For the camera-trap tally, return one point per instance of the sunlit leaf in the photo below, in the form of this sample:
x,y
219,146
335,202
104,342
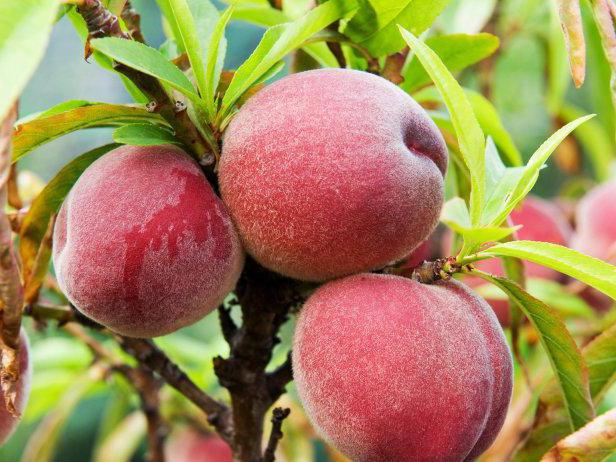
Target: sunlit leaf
x,y
564,355
457,51
469,134
530,174
147,60
375,24
29,136
143,135
276,43
592,271
25,27
592,443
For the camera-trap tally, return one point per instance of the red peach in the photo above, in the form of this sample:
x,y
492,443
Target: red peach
x,y
332,172
391,369
8,421
596,223
189,445
142,244
595,234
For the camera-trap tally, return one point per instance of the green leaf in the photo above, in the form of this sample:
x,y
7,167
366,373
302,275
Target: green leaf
x,y
103,61
57,109
466,16
491,124
530,174
564,355
455,214
592,271
122,443
457,51
374,24
189,37
599,357
597,144
31,135
144,135
25,27
49,201
601,361
216,50
259,14
551,293
469,134
42,442
147,60
276,43
592,443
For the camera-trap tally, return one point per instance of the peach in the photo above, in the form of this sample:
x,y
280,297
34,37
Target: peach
x,y
332,172
596,223
142,244
595,234
188,445
8,421
541,221
391,369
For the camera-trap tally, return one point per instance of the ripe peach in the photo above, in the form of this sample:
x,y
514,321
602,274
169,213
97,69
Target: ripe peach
x,y
142,244
391,369
595,234
189,445
8,421
596,226
541,221
331,172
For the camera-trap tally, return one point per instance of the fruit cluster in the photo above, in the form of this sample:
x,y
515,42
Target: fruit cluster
x,y
324,176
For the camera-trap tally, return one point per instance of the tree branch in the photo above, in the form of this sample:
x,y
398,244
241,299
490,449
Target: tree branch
x,y
148,388
278,416
266,299
156,360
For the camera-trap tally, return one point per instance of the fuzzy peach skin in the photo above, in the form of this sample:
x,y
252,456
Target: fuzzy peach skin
x,y
188,445
142,244
389,369
332,172
541,221
8,421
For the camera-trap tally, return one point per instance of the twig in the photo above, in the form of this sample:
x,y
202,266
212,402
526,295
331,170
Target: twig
x,y
227,325
133,22
278,416
280,377
148,388
155,359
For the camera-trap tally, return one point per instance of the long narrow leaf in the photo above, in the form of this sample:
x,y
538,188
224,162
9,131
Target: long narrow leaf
x,y
30,135
592,271
564,355
468,131
25,27
276,43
